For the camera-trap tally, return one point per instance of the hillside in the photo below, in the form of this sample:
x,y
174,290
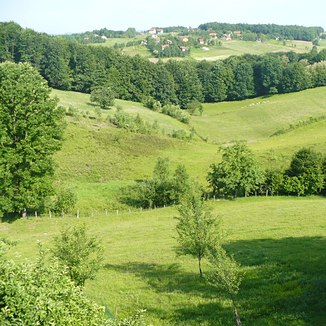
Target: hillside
x,y
97,158
279,241
218,52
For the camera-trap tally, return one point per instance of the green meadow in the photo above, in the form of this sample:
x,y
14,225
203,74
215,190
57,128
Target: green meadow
x,y
222,51
279,241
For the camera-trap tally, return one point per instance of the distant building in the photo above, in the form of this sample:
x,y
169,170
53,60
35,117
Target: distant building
x,y
184,39
201,41
213,35
227,37
183,49
156,31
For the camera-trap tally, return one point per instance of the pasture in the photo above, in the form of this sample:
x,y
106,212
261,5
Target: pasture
x,y
279,241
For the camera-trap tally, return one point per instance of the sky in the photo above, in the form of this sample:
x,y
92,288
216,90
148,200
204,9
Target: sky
x,y
73,16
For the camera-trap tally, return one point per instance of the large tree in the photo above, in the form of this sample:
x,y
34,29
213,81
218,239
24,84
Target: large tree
x,y
31,127
305,175
237,175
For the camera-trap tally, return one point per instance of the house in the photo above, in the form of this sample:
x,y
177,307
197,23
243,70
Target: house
x,y
237,33
165,46
103,37
184,39
156,31
227,37
183,49
201,41
213,35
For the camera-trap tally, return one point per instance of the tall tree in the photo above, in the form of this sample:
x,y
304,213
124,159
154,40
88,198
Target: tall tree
x,y
31,128
295,78
243,85
188,86
55,65
271,69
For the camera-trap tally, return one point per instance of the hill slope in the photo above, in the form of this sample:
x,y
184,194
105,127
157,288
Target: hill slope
x,y
98,158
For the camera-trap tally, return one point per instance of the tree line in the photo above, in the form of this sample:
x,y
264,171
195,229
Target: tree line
x,y
290,32
237,175
68,65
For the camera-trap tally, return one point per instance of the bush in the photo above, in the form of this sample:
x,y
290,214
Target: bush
x,y
79,253
43,294
103,96
174,111
136,124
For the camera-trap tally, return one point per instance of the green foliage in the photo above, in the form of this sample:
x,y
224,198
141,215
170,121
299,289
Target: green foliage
x,y
174,111
237,175
162,189
42,293
273,182
197,228
295,78
64,201
225,275
80,253
103,96
305,174
31,128
122,119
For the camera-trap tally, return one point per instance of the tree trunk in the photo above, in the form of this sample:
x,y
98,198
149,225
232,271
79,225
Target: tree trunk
x,y
199,265
236,314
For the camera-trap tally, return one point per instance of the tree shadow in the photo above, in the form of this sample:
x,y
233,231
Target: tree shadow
x,y
285,281
166,278
284,284
10,218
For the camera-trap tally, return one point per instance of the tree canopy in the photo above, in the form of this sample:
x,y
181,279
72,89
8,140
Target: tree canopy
x,y
237,175
31,129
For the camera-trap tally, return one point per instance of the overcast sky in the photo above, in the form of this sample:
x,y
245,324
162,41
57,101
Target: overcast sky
x,y
70,16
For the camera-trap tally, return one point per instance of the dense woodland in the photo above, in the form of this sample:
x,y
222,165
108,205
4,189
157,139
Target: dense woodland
x,y
69,65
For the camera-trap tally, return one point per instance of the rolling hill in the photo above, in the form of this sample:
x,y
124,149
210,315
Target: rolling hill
x,y
279,241
98,158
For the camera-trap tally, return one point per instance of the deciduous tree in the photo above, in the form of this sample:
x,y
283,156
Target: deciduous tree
x,y
31,128
197,228
237,175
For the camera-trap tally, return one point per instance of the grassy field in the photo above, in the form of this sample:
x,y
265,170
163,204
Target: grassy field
x,y
226,49
238,47
98,159
280,243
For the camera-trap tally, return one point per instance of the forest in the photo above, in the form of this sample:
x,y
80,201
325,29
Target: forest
x,y
69,65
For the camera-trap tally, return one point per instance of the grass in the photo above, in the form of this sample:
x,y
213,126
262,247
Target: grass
x,y
97,159
226,49
238,47
280,243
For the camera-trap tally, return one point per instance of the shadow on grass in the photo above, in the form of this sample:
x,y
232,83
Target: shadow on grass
x,y
284,284
167,278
